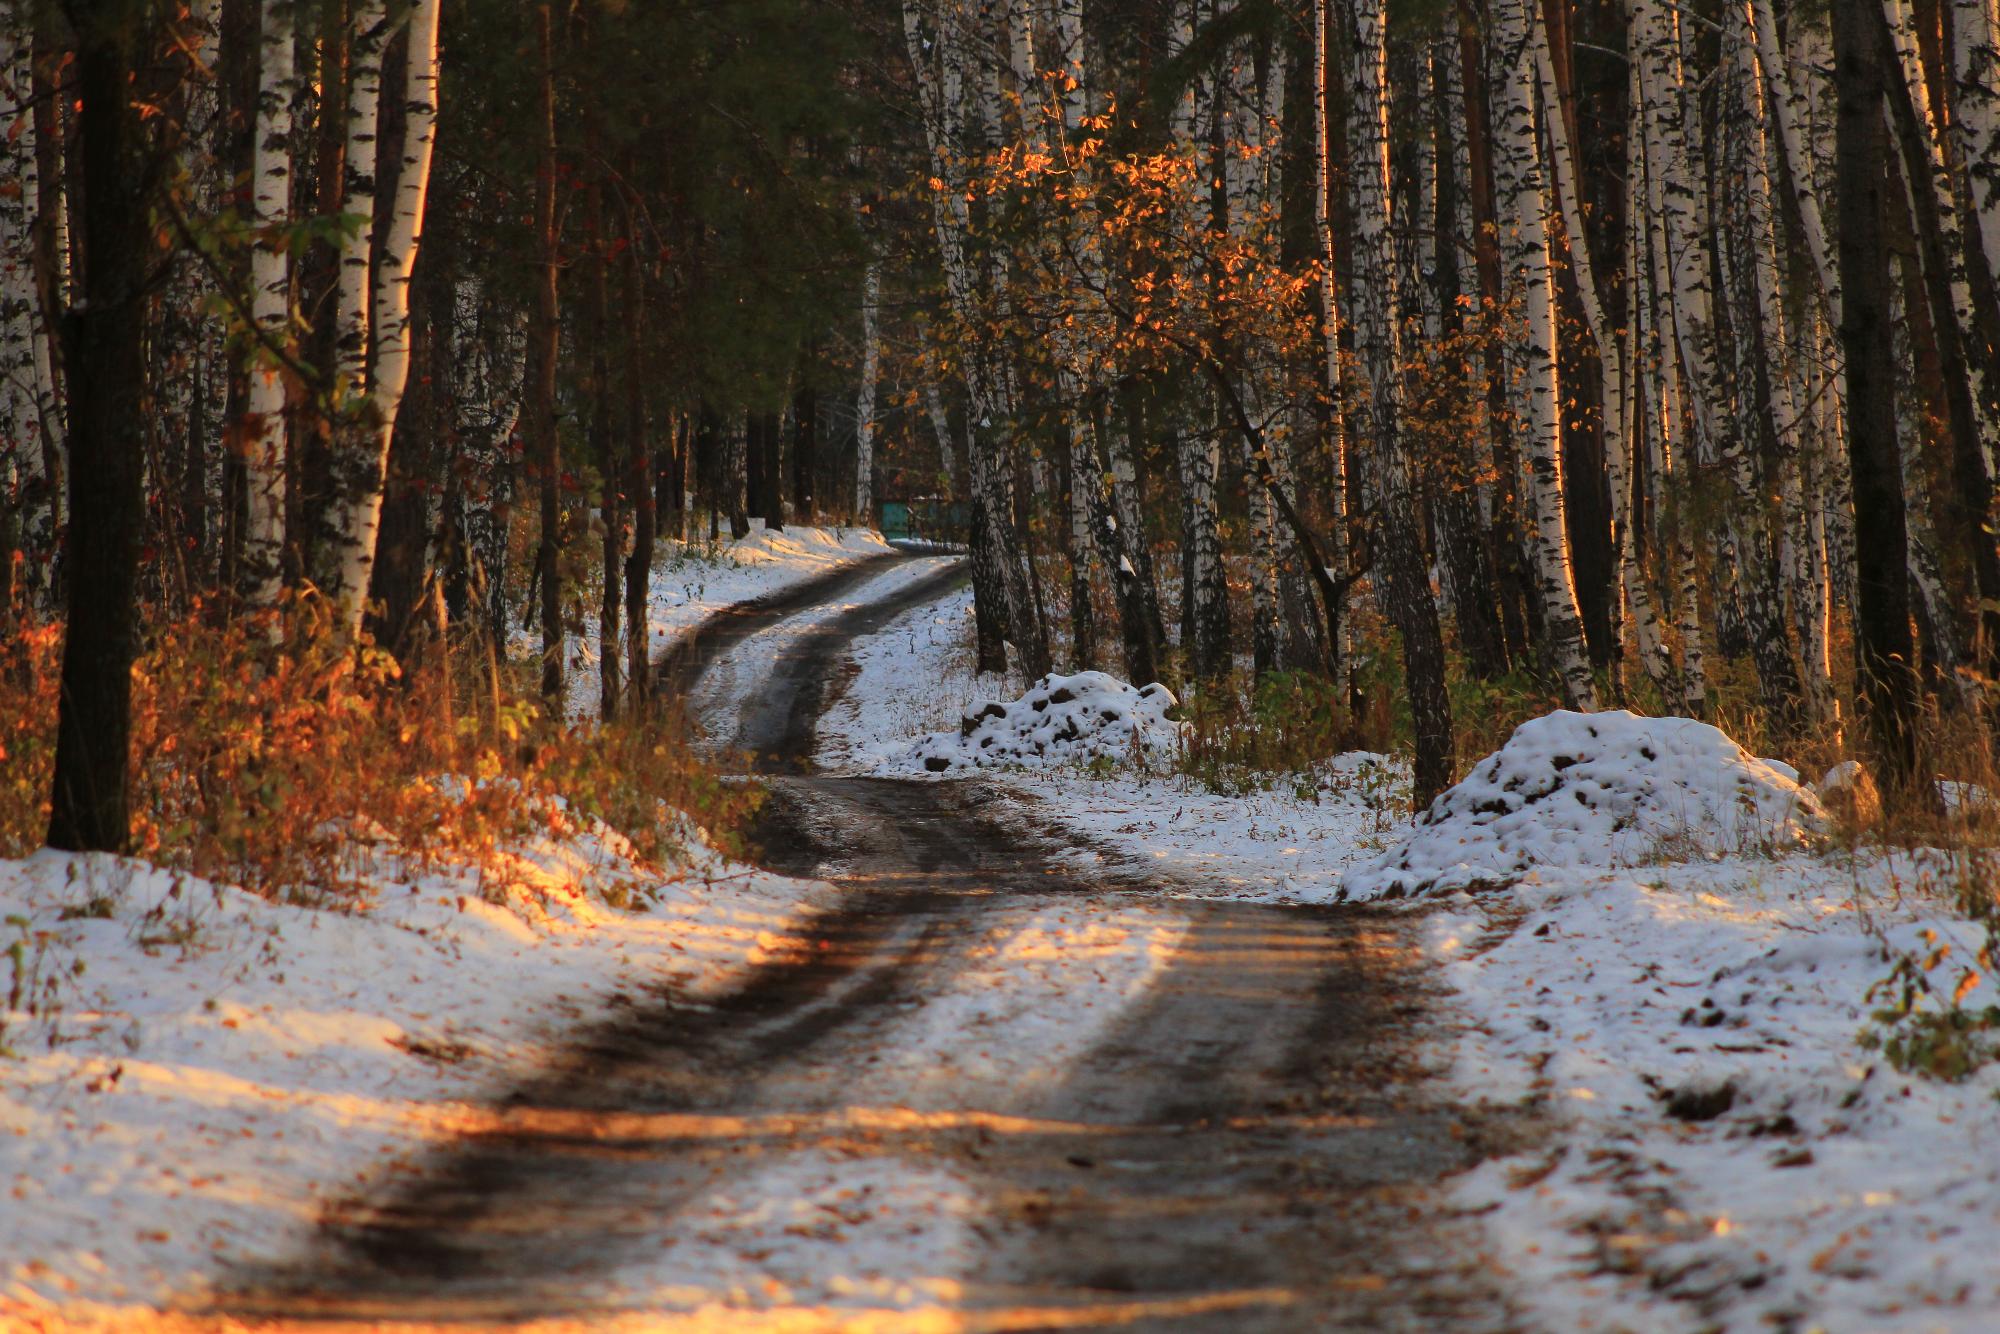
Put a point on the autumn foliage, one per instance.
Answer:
(307, 770)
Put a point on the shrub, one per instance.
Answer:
(272, 754)
(1245, 738)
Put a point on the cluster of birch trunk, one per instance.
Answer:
(1588, 396)
(402, 316)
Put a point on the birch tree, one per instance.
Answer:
(1378, 350)
(264, 431)
(386, 322)
(1521, 192)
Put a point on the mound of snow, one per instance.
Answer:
(1594, 790)
(1061, 720)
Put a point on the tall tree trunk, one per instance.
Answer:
(864, 406)
(1076, 548)
(89, 806)
(639, 483)
(1205, 617)
(1523, 206)
(770, 430)
(1454, 487)
(603, 453)
(805, 445)
(52, 279)
(1763, 398)
(1963, 364)
(1884, 648)
(20, 306)
(1406, 590)
(539, 398)
(363, 472)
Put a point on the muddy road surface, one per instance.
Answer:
(992, 1094)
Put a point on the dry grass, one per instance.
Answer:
(280, 763)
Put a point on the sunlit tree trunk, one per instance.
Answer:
(1975, 121)
(389, 317)
(1965, 361)
(264, 432)
(1455, 483)
(357, 203)
(1584, 271)
(1405, 583)
(1524, 240)
(353, 433)
(20, 413)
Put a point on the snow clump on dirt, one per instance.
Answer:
(1600, 790)
(1061, 720)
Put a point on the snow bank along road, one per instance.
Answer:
(988, 1093)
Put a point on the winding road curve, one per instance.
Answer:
(1251, 1145)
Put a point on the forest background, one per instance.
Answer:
(1456, 361)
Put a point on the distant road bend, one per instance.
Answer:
(1252, 1144)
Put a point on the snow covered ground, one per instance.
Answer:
(1727, 1153)
(1685, 1010)
(808, 1237)
(691, 580)
(187, 1072)
(914, 678)
(739, 675)
(205, 1068)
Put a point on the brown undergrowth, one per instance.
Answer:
(267, 751)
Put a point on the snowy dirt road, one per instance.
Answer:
(986, 1092)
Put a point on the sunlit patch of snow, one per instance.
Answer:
(743, 673)
(205, 1067)
(691, 580)
(1061, 720)
(809, 1229)
(1728, 1154)
(1039, 989)
(1594, 790)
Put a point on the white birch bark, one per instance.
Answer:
(488, 368)
(388, 371)
(940, 56)
(20, 411)
(1934, 610)
(1655, 75)
(1670, 117)
(1902, 30)
(1787, 108)
(1649, 401)
(941, 428)
(1611, 349)
(364, 73)
(1748, 246)
(1340, 501)
(1520, 192)
(1975, 120)
(270, 307)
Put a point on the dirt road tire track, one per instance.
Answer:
(1260, 1142)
